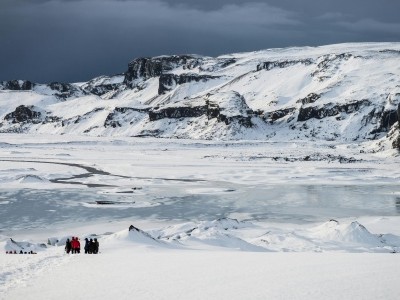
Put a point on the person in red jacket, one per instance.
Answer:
(74, 245)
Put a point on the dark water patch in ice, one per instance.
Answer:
(91, 171)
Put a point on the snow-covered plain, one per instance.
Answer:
(213, 219)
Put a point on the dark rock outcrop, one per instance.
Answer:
(100, 90)
(223, 112)
(269, 65)
(17, 85)
(104, 84)
(396, 142)
(178, 112)
(385, 119)
(65, 90)
(390, 51)
(329, 110)
(23, 114)
(311, 98)
(147, 67)
(273, 116)
(245, 121)
(389, 118)
(398, 112)
(211, 110)
(120, 115)
(60, 87)
(168, 82)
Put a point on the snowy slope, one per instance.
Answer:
(212, 263)
(340, 92)
(129, 273)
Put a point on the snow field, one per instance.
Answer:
(186, 194)
(131, 273)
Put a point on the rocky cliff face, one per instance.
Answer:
(396, 140)
(329, 110)
(212, 107)
(23, 114)
(269, 65)
(147, 67)
(168, 82)
(335, 93)
(16, 85)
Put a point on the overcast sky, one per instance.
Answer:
(75, 40)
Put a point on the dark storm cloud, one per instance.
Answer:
(72, 40)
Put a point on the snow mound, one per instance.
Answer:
(204, 234)
(223, 223)
(216, 239)
(197, 229)
(136, 236)
(282, 241)
(12, 245)
(330, 236)
(31, 179)
(345, 233)
(391, 240)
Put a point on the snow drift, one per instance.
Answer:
(233, 235)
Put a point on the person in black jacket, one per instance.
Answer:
(68, 246)
(87, 244)
(91, 246)
(96, 246)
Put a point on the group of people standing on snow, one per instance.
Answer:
(20, 252)
(74, 246)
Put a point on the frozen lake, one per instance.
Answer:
(24, 209)
(83, 180)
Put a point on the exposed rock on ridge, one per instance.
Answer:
(329, 110)
(24, 114)
(226, 108)
(16, 85)
(269, 65)
(168, 82)
(146, 67)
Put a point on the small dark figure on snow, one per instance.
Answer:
(68, 246)
(20, 252)
(96, 246)
(77, 246)
(87, 244)
(91, 246)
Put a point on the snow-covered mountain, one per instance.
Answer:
(345, 92)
